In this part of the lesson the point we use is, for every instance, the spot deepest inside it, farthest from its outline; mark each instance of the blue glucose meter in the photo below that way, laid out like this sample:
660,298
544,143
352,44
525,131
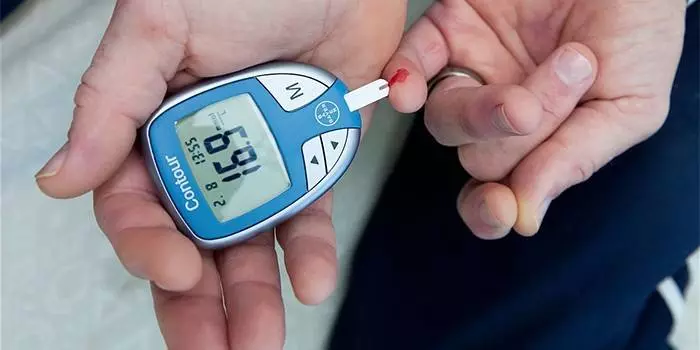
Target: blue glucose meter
237,155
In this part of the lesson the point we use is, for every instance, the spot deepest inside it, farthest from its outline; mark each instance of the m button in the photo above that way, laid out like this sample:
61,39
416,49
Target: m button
292,92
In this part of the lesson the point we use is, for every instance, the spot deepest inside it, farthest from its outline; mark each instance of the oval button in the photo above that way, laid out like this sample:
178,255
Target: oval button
333,146
314,162
292,91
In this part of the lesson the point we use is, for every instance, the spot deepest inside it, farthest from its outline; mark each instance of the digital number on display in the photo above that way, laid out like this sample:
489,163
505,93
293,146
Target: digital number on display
242,161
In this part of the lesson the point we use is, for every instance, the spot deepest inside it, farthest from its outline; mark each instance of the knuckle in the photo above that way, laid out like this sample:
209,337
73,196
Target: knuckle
583,169
482,166
580,169
644,116
452,129
87,98
434,126
87,93
466,126
551,104
313,216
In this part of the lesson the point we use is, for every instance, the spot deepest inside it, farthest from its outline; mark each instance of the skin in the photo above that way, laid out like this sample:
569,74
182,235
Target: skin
543,123
154,47
526,137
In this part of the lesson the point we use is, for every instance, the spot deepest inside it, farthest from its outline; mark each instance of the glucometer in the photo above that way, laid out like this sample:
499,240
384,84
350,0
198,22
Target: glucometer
237,155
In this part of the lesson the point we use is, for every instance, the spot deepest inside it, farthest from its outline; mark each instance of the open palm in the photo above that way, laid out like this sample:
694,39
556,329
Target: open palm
571,84
209,300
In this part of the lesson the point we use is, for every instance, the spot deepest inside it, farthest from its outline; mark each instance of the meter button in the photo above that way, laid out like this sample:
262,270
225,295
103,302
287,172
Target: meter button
333,146
292,91
314,162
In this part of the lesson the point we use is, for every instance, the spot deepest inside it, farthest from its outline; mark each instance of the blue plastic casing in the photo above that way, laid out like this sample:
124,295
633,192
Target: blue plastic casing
290,130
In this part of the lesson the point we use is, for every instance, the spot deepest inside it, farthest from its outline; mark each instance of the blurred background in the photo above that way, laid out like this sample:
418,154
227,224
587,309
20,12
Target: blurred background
62,286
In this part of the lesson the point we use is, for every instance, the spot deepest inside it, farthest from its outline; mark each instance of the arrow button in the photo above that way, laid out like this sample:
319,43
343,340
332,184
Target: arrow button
314,162
333,146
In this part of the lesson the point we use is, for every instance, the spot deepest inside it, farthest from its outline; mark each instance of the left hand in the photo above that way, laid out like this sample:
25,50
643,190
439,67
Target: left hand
228,299
571,84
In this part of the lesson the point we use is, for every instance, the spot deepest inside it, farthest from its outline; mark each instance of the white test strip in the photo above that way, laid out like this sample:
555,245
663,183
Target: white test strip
366,95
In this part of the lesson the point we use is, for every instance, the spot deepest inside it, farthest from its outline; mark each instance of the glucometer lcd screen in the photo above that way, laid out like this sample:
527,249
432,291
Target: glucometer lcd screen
233,156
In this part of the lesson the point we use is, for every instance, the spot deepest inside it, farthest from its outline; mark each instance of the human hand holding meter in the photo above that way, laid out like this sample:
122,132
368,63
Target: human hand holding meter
570,85
152,47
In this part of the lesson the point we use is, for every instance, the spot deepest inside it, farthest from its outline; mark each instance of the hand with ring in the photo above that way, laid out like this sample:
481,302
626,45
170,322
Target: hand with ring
537,95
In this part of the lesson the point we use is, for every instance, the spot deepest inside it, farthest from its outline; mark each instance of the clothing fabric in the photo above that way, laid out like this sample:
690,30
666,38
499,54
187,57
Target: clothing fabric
7,7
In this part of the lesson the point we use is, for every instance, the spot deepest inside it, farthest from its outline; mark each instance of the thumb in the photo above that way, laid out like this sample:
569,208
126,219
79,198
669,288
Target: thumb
126,81
422,54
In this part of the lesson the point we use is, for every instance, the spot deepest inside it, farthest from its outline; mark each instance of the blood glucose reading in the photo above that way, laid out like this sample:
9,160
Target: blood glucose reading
233,156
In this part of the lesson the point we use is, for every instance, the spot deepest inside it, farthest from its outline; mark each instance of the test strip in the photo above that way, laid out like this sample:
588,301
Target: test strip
366,95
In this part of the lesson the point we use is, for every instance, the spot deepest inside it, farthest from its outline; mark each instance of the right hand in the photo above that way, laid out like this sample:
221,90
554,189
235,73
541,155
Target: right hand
152,47
570,85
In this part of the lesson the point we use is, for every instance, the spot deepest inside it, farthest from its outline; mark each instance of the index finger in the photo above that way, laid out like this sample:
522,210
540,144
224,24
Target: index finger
125,83
421,55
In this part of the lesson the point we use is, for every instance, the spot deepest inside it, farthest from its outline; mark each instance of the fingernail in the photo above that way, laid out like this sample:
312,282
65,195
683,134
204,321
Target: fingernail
543,211
572,67
500,119
487,216
158,285
53,166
